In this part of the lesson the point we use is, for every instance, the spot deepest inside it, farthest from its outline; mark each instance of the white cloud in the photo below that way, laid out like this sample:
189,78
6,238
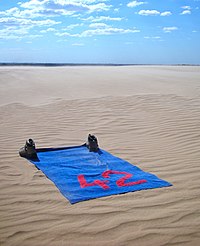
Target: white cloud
154,12
170,29
72,26
63,2
149,12
51,8
16,33
185,12
78,44
9,11
13,12
32,36
48,30
12,21
33,13
102,18
166,13
154,37
13,30
18,28
107,30
186,7
135,4
99,7
98,25
64,7
31,4
51,29
66,34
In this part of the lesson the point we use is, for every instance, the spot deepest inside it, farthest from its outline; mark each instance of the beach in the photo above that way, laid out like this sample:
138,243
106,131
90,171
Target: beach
147,115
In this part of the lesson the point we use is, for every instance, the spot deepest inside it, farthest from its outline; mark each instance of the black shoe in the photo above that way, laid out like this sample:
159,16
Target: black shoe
92,143
29,151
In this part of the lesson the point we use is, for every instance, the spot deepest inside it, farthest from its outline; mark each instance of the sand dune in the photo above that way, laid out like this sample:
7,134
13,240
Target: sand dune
149,116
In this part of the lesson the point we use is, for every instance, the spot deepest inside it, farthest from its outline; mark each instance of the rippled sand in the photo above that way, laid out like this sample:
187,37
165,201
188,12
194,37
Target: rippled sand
149,116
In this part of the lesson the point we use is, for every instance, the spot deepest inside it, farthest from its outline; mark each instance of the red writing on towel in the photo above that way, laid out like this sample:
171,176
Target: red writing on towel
121,182
106,174
84,183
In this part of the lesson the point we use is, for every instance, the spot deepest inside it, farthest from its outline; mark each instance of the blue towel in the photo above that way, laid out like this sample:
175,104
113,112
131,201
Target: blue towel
82,175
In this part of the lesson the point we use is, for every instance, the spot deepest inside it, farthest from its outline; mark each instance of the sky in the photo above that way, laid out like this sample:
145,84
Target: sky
100,31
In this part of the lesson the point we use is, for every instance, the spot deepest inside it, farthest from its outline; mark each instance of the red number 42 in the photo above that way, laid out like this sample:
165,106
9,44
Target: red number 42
104,183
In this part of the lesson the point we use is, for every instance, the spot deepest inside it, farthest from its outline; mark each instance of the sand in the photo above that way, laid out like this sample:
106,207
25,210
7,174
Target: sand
147,115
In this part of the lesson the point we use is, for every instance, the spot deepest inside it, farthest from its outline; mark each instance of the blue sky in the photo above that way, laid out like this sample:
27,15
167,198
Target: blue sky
106,31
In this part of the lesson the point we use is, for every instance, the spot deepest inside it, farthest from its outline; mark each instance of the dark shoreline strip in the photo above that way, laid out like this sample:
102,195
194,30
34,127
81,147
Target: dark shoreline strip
87,64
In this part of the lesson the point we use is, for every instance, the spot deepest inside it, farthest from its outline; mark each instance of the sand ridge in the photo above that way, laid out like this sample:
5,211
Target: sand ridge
153,124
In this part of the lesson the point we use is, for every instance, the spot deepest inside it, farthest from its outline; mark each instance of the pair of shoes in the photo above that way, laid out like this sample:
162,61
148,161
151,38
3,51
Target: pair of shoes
92,143
29,151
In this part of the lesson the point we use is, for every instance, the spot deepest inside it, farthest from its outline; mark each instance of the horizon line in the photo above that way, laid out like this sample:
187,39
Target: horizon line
54,64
